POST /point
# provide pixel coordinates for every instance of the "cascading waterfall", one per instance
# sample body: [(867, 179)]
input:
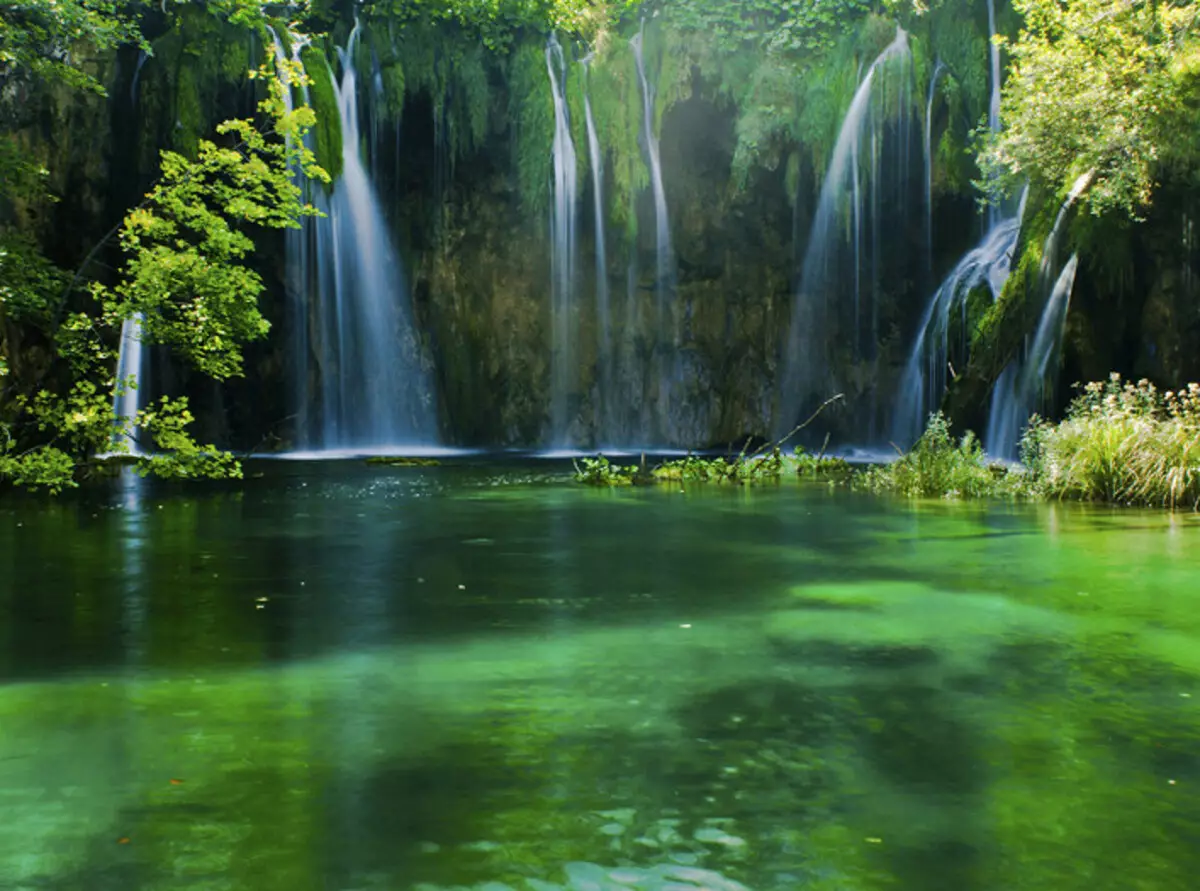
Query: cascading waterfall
[(604, 350), (664, 255), (136, 80), (131, 376), (667, 357), (1019, 389), (925, 374), (563, 216), (824, 268), (133, 371), (933, 82), (373, 392)]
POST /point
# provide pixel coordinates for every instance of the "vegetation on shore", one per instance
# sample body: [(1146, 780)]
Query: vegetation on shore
[(186, 279), (1120, 443)]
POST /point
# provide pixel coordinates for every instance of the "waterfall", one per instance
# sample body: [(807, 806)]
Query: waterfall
[(667, 358), (925, 374), (137, 76), (374, 392), (604, 352), (662, 224), (823, 269), (563, 214), (933, 81), (127, 392), (1020, 390)]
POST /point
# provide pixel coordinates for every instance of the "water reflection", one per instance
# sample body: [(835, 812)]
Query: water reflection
[(412, 678)]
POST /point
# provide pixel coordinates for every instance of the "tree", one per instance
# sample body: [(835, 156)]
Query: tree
[(1103, 86), (184, 274)]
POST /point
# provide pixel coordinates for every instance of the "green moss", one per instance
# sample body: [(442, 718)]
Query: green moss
[(531, 111), (323, 99), (190, 120), (395, 86), (617, 107)]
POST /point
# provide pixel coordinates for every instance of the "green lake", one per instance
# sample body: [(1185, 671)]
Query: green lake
[(482, 676)]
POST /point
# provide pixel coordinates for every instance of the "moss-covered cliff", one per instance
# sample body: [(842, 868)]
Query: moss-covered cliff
[(457, 122)]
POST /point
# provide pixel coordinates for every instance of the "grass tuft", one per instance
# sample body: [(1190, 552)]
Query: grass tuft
[(1122, 443)]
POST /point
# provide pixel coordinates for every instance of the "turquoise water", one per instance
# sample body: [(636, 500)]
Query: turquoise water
[(335, 676)]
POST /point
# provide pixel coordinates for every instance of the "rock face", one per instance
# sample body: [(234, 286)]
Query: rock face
[(701, 373)]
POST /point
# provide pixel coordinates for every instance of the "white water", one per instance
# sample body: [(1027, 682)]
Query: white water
[(662, 224), (372, 388), (933, 82), (805, 358), (927, 370), (1021, 389), (127, 393), (604, 360), (666, 369), (563, 216), (137, 76), (1018, 391)]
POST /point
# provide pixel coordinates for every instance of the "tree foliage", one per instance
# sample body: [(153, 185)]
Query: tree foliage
[(1101, 86), (185, 276), (187, 241), (41, 40)]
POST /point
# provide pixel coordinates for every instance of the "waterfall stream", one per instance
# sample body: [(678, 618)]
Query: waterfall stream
[(1022, 386), (840, 210), (666, 363), (933, 82), (354, 331), (1020, 389), (604, 350), (664, 255), (131, 378), (923, 382), (563, 262)]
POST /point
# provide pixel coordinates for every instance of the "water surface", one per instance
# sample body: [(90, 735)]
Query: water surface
[(336, 676)]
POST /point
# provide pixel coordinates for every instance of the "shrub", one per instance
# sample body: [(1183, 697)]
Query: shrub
[(938, 466), (1122, 443)]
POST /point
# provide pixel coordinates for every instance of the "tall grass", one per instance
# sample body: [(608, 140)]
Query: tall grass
[(1123, 443), (939, 466)]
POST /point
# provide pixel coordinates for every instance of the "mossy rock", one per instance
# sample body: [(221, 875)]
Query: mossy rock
[(323, 98)]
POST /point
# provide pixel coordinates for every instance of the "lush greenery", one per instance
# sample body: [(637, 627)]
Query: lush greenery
[(768, 465), (940, 466), (1104, 87), (185, 275), (1122, 443)]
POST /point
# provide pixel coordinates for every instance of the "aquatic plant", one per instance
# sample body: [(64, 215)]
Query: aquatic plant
[(821, 466), (599, 471), (1122, 443)]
